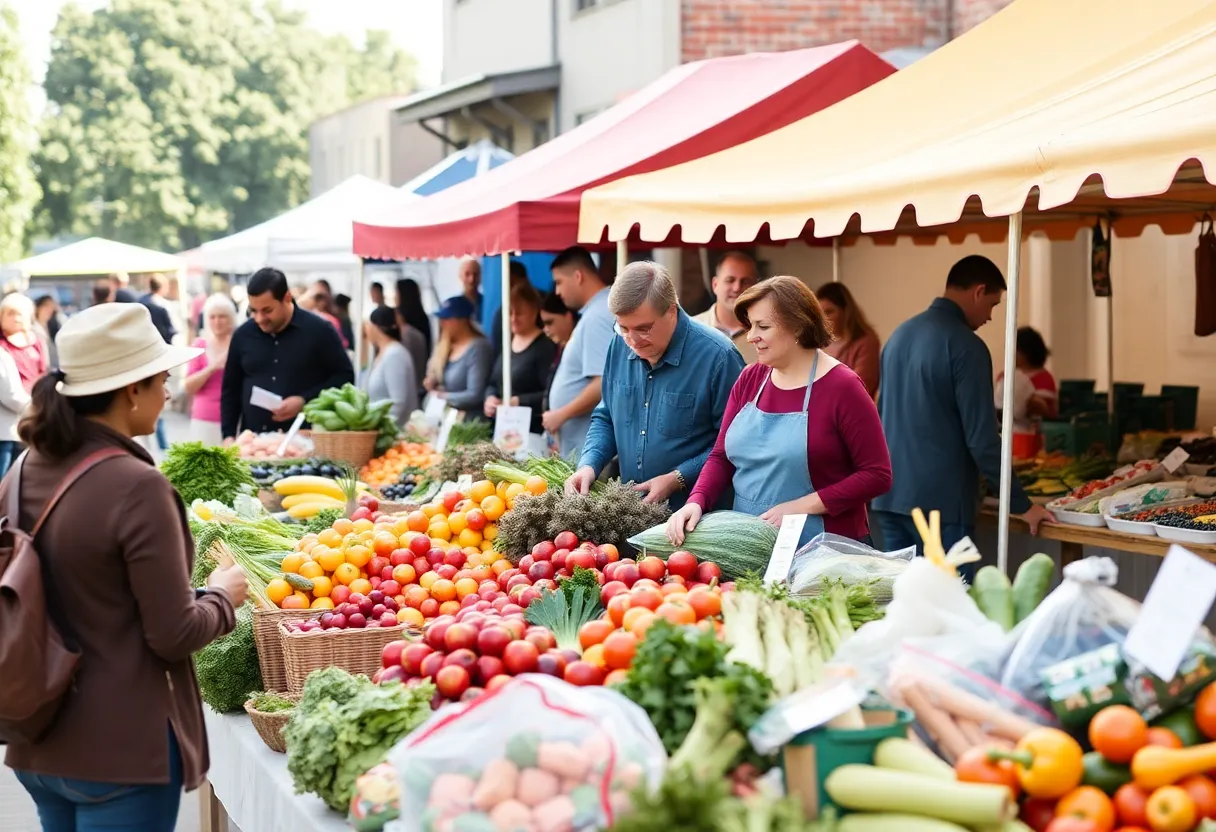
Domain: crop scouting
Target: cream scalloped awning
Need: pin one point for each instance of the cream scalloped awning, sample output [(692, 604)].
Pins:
[(97, 256), (1101, 106)]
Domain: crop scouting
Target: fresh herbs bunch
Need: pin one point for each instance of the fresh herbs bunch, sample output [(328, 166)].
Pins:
[(206, 472), (228, 668)]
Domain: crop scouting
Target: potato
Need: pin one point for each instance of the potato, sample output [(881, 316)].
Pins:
[(536, 786)]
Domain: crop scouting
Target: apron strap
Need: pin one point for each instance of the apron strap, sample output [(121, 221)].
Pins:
[(756, 398), (806, 402)]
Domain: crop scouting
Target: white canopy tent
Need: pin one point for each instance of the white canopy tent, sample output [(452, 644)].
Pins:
[(96, 256)]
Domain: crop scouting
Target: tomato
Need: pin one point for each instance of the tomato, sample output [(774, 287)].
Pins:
[(1163, 737), (1131, 802), (1117, 732), (1072, 824), (705, 602), (1203, 792), (975, 767), (1205, 711), (1133, 829), (594, 632), (1170, 809), (619, 649), (1088, 803), (1037, 813), (584, 674)]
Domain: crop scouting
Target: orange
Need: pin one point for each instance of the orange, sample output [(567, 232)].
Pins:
[(410, 617), (329, 537), (306, 545), (501, 565), (345, 573), (676, 613), (439, 530), (494, 507), (482, 573), (594, 632), (611, 551), (457, 522), (595, 655), (642, 622), (631, 615), (514, 490), (291, 563), (321, 587), (277, 590), (400, 526), (645, 597), (358, 555), (426, 579), (415, 595), (384, 543), (705, 602), (322, 604), (480, 490), (404, 574), (1117, 732), (617, 607), (1170, 809), (469, 538), (673, 589), (329, 558), (311, 569), (417, 521), (1205, 711), (361, 586), (486, 545), (536, 485), (364, 525), (344, 526), (443, 590), (465, 587), (294, 602), (619, 649), (490, 532), (1088, 803), (430, 510), (449, 608)]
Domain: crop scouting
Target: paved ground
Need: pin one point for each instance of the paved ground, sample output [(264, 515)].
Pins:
[(16, 809)]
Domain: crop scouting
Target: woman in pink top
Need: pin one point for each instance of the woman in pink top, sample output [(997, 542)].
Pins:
[(800, 434), (205, 374), (854, 344)]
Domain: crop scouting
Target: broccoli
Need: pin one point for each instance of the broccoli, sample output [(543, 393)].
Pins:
[(322, 520), (227, 668), (582, 577)]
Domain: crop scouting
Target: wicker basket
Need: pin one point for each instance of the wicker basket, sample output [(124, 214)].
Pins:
[(355, 651), (353, 446), (268, 640), (270, 725)]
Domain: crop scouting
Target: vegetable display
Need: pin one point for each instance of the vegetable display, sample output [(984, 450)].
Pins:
[(1009, 604), (739, 543), (227, 668), (205, 472), (347, 408)]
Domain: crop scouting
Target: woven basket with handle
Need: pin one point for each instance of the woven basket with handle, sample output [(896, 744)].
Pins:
[(270, 725), (268, 639), (353, 446), (355, 651)]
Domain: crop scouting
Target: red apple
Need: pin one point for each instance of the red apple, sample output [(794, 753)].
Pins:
[(497, 682), (485, 606), (487, 668), (708, 572), (413, 655), (459, 636), (652, 568), (446, 571), (461, 658), (400, 556), (387, 573), (391, 674), (475, 519), (375, 580), (339, 594), (610, 590), (452, 681), (501, 601), (388, 618), (601, 560), (436, 633), (520, 657), (565, 540), (529, 594), (421, 566), (545, 583), (525, 563), (518, 580), (357, 621), (551, 663), (390, 587), (542, 638), (429, 608), (419, 546), (471, 693), (515, 627), (431, 664), (571, 655), (541, 570), (626, 573), (561, 559), (493, 639), (683, 564), (390, 654), (376, 565), (544, 550), (450, 499), (455, 558), (338, 622), (361, 513), (512, 609)]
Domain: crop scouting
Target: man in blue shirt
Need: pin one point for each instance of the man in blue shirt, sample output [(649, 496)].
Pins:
[(666, 383), (936, 408)]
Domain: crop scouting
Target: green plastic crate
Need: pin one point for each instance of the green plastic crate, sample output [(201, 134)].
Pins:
[(1186, 404), (1078, 435)]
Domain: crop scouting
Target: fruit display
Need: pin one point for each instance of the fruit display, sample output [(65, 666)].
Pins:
[(1055, 474), (409, 484), (265, 446), (388, 468), (347, 408), (1199, 517), (1125, 476), (303, 495), (737, 542), (266, 473), (466, 460)]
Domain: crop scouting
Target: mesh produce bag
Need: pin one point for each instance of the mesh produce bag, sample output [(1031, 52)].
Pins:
[(536, 754), (832, 557)]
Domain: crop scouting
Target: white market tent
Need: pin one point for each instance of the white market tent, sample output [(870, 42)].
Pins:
[(95, 256)]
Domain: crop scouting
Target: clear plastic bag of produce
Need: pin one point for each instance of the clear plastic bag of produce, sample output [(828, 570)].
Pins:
[(1083, 613), (832, 557), (949, 683), (537, 754), (1142, 497)]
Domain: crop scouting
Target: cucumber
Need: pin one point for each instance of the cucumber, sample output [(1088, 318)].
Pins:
[(994, 596), (1030, 585), (298, 582), (890, 822), (1100, 772), (871, 789), (904, 755)]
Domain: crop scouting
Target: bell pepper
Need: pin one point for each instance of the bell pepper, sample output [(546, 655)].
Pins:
[(1048, 762)]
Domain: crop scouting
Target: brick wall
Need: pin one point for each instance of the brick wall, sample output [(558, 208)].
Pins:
[(713, 28)]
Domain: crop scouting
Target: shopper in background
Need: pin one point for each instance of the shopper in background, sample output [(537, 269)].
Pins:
[(460, 367), (518, 276), (666, 384), (129, 735), (375, 293), (23, 360), (470, 282), (577, 385), (736, 273), (47, 322), (282, 350), (158, 308), (342, 313), (120, 288), (784, 450), (937, 414), (854, 344), (102, 292), (205, 373), (413, 314), (321, 302), (392, 374), (532, 356)]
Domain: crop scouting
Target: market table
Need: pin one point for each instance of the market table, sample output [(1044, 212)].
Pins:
[(1074, 539), (249, 784)]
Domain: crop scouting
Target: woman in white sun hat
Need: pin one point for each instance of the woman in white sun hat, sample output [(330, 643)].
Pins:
[(128, 735)]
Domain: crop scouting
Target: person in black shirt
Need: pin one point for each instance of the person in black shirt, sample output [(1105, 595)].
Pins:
[(532, 358), (280, 349)]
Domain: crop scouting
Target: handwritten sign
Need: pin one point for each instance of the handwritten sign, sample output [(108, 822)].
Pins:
[(1175, 607), (511, 425), (1175, 460), (433, 409), (783, 551), (445, 430)]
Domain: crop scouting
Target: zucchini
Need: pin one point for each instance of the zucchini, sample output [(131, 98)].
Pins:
[(1030, 585), (994, 596), (737, 542), (1105, 775), (298, 582), (871, 789), (904, 755), (890, 822)]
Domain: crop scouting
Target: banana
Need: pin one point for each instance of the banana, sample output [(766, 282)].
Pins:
[(305, 510), (309, 485), (293, 500)]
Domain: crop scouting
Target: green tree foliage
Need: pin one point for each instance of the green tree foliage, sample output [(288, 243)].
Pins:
[(18, 188), (172, 123)]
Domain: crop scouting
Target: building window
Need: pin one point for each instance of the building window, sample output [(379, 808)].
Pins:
[(378, 162), (587, 115), (584, 5)]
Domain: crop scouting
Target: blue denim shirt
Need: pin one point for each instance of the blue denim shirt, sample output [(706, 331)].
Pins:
[(663, 418), (937, 411)]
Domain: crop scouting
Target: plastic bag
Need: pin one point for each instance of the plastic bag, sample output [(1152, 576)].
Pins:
[(537, 754), (832, 557), (1083, 613), (1142, 497), (949, 683)]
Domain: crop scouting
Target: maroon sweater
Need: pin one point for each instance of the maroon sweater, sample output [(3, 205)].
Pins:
[(846, 449)]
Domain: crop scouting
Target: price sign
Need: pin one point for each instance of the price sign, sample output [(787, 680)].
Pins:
[(1175, 607), (445, 429), (1175, 460), (511, 425), (783, 551), (433, 409)]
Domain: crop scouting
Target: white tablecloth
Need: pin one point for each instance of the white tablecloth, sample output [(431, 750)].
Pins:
[(253, 784)]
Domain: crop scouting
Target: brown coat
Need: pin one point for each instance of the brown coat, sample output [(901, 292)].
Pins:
[(862, 356), (119, 555)]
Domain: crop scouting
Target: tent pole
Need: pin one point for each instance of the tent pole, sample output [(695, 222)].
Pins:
[(835, 259), (1012, 277), (1110, 331), (357, 319), (622, 255), (506, 327)]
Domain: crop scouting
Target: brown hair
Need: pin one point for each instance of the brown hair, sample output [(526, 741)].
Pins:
[(526, 293), (52, 422), (853, 322), (795, 307)]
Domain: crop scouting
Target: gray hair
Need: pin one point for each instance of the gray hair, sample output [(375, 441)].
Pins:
[(219, 302), (638, 283)]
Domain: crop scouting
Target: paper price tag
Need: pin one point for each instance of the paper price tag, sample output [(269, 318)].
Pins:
[(1176, 605), (445, 429), (783, 551), (1175, 460), (263, 398), (433, 409), (511, 426)]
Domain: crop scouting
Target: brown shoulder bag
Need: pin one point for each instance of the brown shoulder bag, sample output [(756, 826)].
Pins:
[(37, 665)]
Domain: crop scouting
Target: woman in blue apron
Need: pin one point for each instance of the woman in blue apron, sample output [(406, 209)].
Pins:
[(816, 450)]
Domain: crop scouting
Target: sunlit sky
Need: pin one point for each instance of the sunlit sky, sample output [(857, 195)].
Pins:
[(416, 26)]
